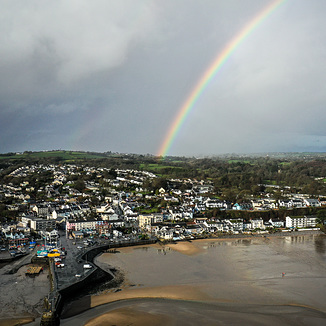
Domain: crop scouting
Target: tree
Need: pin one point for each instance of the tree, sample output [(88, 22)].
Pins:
[(278, 195), (79, 185), (229, 195), (321, 216), (255, 190), (157, 183)]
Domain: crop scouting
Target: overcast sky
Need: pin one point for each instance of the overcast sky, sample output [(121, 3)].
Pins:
[(108, 75)]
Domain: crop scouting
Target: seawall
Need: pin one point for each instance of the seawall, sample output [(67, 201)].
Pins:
[(55, 301)]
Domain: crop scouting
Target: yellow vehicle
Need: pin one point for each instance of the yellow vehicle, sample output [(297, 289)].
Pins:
[(54, 254)]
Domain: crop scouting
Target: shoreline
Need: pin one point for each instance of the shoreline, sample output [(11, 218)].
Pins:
[(183, 247), (187, 248), (189, 293)]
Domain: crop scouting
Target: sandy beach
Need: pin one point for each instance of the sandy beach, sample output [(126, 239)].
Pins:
[(264, 275), (128, 316), (173, 313)]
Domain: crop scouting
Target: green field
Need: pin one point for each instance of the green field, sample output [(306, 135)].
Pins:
[(285, 163), (64, 155), (270, 182), (239, 161), (159, 169), (155, 166)]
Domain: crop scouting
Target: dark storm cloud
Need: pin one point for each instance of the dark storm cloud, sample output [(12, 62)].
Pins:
[(111, 75)]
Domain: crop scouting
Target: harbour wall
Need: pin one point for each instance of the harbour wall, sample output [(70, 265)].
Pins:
[(55, 301)]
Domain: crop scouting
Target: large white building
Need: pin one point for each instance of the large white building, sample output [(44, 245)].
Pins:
[(39, 224), (300, 221), (146, 220), (99, 226), (81, 225)]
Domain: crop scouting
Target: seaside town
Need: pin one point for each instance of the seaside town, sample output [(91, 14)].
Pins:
[(115, 206), (60, 216), (162, 163)]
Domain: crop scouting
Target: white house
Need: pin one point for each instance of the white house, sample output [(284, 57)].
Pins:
[(235, 225), (297, 203), (312, 202), (257, 224), (277, 223), (285, 203), (165, 233)]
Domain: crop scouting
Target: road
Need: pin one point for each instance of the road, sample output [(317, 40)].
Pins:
[(73, 265), (76, 248)]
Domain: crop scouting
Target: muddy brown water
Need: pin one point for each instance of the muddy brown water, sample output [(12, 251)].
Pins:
[(259, 280)]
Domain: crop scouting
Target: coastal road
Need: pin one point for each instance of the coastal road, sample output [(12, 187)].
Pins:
[(67, 275)]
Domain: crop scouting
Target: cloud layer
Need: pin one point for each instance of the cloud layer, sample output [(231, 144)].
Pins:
[(111, 75)]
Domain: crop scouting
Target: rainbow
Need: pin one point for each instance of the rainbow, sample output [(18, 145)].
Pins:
[(210, 73)]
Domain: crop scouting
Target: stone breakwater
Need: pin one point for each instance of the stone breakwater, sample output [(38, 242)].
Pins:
[(58, 297)]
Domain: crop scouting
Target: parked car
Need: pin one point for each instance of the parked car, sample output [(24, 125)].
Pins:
[(87, 266)]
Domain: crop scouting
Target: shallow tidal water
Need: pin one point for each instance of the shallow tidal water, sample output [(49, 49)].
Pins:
[(259, 281)]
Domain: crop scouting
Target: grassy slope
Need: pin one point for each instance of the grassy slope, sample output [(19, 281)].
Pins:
[(64, 155)]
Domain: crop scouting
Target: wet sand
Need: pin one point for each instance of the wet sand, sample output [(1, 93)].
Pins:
[(186, 248), (174, 313), (21, 296), (128, 316), (16, 321), (176, 292), (230, 279)]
